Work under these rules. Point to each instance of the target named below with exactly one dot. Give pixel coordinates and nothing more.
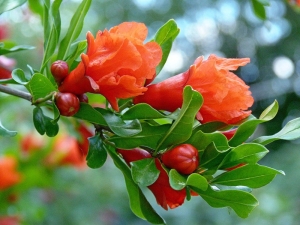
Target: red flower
(31, 142)
(226, 96)
(116, 64)
(165, 195)
(9, 220)
(6, 66)
(66, 152)
(8, 174)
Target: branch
(15, 92)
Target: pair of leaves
(44, 124)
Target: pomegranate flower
(117, 64)
(9, 176)
(165, 195)
(226, 97)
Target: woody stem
(15, 92)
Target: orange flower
(165, 195)
(8, 174)
(226, 97)
(116, 64)
(66, 151)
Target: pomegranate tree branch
(15, 92)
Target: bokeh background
(226, 28)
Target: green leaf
(53, 32)
(39, 86)
(218, 139)
(8, 81)
(6, 133)
(118, 126)
(4, 51)
(177, 181)
(246, 129)
(74, 30)
(144, 172)
(197, 181)
(20, 77)
(36, 7)
(290, 131)
(249, 153)
(211, 157)
(211, 127)
(142, 111)
(165, 37)
(76, 49)
(7, 5)
(241, 202)
(181, 129)
(259, 9)
(97, 153)
(138, 203)
(253, 176)
(43, 124)
(88, 113)
(149, 137)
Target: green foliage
(259, 8)
(144, 172)
(181, 129)
(14, 48)
(20, 77)
(241, 202)
(44, 124)
(178, 181)
(5, 132)
(97, 153)
(9, 5)
(74, 30)
(142, 111)
(88, 113)
(165, 37)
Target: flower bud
(67, 103)
(59, 70)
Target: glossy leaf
(259, 9)
(4, 51)
(97, 153)
(76, 49)
(88, 113)
(149, 137)
(20, 77)
(241, 202)
(181, 129)
(7, 5)
(74, 30)
(211, 157)
(201, 140)
(138, 203)
(118, 126)
(52, 31)
(253, 176)
(246, 129)
(177, 181)
(197, 181)
(165, 37)
(5, 132)
(142, 111)
(39, 86)
(43, 124)
(248, 153)
(144, 172)
(290, 131)
(211, 127)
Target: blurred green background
(226, 28)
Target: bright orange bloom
(32, 142)
(66, 151)
(165, 195)
(226, 97)
(116, 65)
(8, 173)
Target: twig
(15, 92)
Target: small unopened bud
(83, 98)
(59, 70)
